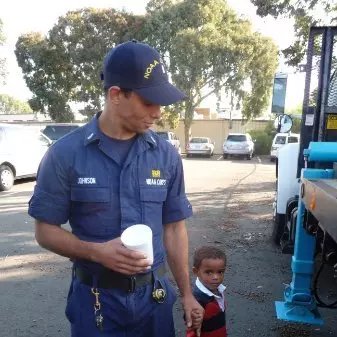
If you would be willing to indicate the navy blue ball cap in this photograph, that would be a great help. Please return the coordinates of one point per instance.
(137, 66)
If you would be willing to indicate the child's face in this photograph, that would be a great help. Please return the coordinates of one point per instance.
(211, 273)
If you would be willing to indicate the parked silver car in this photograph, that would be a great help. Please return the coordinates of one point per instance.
(200, 145)
(21, 151)
(238, 144)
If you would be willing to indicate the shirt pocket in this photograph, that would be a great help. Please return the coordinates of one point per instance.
(90, 212)
(152, 200)
(89, 200)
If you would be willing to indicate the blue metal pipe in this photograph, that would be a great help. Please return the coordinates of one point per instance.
(321, 151)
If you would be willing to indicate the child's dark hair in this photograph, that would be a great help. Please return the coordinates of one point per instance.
(208, 252)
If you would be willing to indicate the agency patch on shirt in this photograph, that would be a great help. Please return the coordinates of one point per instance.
(155, 173)
(156, 182)
(156, 179)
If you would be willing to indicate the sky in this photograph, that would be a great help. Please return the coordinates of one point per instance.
(40, 16)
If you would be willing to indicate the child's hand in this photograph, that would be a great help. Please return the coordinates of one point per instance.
(191, 305)
(197, 317)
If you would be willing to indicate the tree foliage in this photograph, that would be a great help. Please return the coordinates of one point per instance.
(296, 115)
(3, 71)
(205, 47)
(64, 67)
(306, 13)
(11, 105)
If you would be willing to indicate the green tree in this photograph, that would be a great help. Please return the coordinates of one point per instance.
(11, 105)
(170, 116)
(305, 13)
(296, 115)
(209, 50)
(3, 72)
(206, 47)
(269, 128)
(64, 67)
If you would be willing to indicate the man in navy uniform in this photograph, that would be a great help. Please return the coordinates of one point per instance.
(105, 177)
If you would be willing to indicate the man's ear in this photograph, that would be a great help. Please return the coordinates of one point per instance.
(114, 94)
(194, 270)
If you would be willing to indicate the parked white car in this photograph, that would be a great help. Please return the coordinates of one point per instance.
(201, 146)
(21, 151)
(171, 138)
(238, 144)
(280, 140)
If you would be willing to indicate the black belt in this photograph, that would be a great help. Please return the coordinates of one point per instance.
(107, 279)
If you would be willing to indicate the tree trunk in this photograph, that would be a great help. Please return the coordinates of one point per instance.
(187, 129)
(188, 122)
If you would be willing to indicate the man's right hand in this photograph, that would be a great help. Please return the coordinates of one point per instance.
(113, 255)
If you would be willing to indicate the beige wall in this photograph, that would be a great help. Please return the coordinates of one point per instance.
(217, 130)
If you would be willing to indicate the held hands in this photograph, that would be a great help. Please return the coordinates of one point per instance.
(194, 314)
(197, 318)
(113, 255)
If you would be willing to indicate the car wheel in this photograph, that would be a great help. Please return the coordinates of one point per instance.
(6, 178)
(225, 156)
(249, 156)
(272, 159)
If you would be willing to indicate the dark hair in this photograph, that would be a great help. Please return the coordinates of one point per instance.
(208, 252)
(125, 91)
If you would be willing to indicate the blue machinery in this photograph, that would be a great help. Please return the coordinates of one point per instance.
(318, 196)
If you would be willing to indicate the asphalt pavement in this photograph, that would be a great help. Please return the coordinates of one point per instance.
(232, 201)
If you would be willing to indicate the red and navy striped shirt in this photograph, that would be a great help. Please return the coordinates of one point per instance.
(214, 322)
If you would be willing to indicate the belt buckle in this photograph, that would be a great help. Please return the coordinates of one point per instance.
(132, 284)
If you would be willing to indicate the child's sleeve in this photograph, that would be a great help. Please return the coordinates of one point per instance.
(191, 333)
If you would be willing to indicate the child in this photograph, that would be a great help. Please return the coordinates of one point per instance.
(209, 266)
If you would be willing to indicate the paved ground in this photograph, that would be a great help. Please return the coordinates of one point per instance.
(232, 202)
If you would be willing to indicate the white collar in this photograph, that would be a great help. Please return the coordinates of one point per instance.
(221, 289)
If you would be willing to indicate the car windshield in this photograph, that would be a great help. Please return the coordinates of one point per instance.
(55, 132)
(163, 135)
(280, 140)
(236, 138)
(198, 140)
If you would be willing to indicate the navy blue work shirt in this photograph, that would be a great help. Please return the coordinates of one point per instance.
(81, 180)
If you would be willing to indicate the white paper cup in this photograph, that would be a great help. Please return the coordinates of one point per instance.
(139, 238)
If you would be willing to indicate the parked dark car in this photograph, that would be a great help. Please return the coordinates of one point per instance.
(55, 131)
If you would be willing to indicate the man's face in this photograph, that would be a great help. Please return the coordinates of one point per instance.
(136, 114)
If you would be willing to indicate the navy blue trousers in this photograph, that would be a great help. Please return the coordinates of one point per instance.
(124, 315)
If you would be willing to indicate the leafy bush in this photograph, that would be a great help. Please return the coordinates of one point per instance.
(263, 141)
(296, 125)
(269, 129)
(264, 138)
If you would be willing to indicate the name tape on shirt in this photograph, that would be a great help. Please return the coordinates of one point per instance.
(86, 181)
